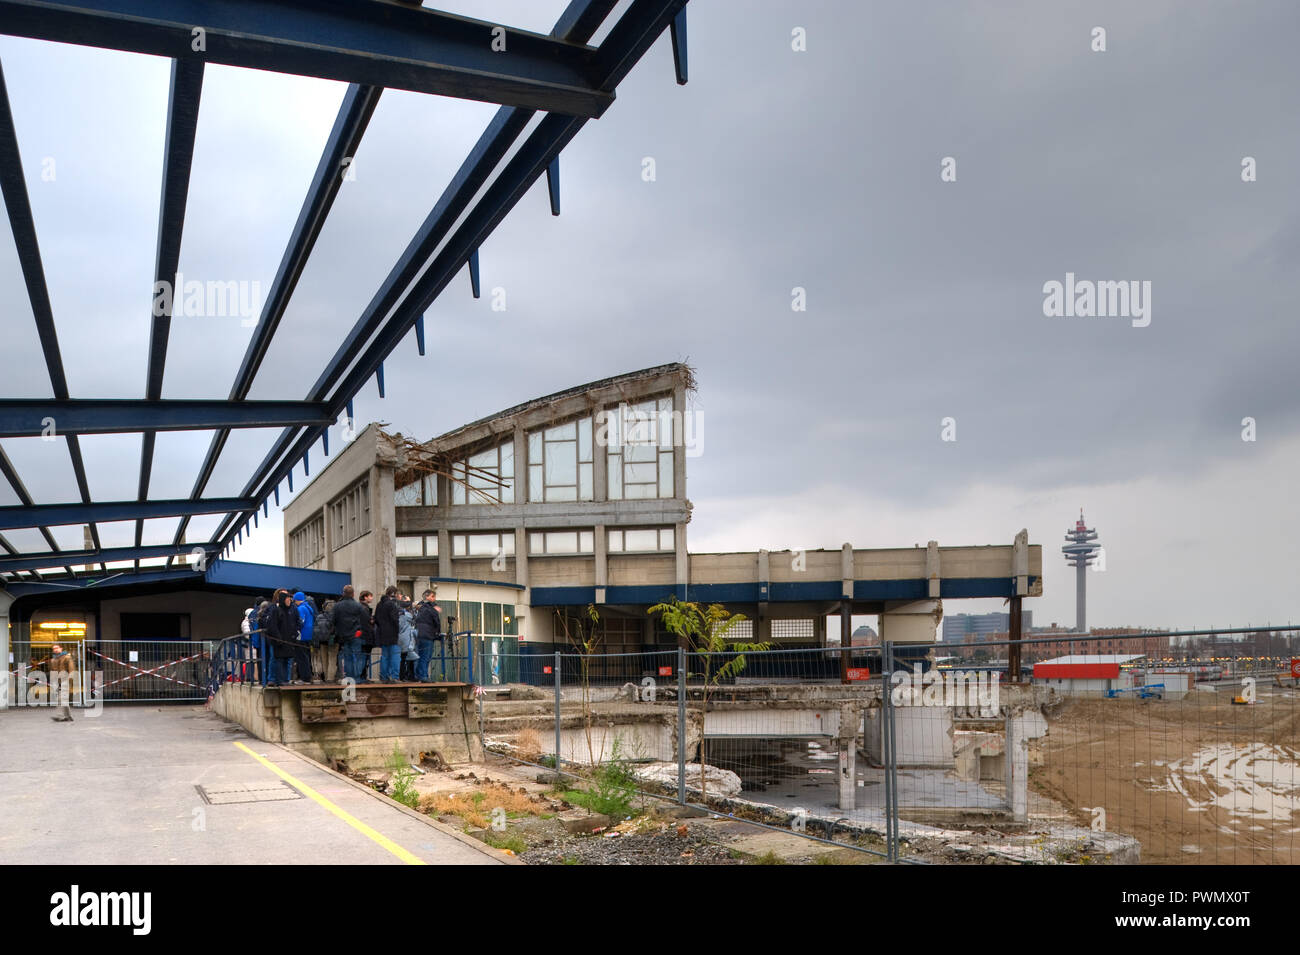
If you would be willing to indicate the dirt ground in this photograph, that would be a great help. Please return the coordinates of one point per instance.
(1196, 781)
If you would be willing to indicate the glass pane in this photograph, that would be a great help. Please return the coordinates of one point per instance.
(535, 482)
(485, 459)
(410, 546)
(640, 473)
(508, 459)
(666, 474)
(471, 616)
(431, 545)
(615, 474)
(408, 496)
(666, 538)
(458, 494)
(584, 439)
(642, 540)
(508, 543)
(561, 542)
(536, 543)
(640, 452)
(561, 463)
(507, 493)
(586, 542)
(639, 491)
(615, 542)
(584, 482)
(569, 493)
(430, 483)
(457, 545)
(491, 618)
(535, 447)
(511, 624)
(563, 432)
(484, 545)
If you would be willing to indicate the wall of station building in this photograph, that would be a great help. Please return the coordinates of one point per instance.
(182, 615)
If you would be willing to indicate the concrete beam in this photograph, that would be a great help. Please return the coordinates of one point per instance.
(933, 573)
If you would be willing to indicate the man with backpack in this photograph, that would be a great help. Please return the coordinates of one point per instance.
(324, 659)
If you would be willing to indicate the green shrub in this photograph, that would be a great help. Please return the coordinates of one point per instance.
(401, 784)
(612, 788)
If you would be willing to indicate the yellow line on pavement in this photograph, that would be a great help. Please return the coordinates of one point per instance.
(353, 821)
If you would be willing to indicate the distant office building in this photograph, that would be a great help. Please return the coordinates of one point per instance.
(958, 627)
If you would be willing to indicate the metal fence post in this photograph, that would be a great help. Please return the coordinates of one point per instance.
(681, 726)
(888, 751)
(557, 717)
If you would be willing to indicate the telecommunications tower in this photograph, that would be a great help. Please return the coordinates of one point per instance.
(1080, 551)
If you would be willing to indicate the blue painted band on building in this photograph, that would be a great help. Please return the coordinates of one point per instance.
(781, 591)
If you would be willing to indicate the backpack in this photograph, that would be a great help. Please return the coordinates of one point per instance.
(324, 632)
(264, 615)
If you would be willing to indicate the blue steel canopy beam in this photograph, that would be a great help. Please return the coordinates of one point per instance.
(19, 208)
(51, 515)
(33, 561)
(11, 475)
(178, 159)
(345, 138)
(22, 417)
(376, 43)
(577, 24)
(635, 31)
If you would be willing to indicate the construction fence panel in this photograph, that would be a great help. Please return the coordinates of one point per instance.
(1109, 749)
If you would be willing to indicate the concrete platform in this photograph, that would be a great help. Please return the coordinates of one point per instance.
(124, 788)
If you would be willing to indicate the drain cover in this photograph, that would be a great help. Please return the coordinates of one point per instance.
(228, 795)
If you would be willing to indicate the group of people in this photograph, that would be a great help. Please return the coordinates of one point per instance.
(288, 632)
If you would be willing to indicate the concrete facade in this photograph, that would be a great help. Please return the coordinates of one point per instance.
(473, 513)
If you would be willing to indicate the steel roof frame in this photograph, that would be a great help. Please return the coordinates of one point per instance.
(374, 44)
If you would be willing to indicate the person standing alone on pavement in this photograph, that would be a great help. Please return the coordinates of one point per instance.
(61, 670)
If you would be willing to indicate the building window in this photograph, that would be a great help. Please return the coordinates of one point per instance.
(483, 545)
(423, 492)
(547, 543)
(467, 614)
(350, 514)
(307, 543)
(642, 540)
(417, 545)
(639, 441)
(490, 476)
(560, 463)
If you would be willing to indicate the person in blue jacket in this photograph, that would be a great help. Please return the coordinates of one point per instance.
(302, 651)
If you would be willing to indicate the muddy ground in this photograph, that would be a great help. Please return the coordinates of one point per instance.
(1199, 780)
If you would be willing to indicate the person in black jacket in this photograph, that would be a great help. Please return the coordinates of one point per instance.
(367, 633)
(386, 627)
(428, 628)
(282, 627)
(351, 622)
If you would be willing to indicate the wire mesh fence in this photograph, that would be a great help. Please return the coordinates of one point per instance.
(1145, 750)
(114, 671)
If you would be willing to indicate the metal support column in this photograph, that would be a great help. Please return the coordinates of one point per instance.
(846, 638)
(681, 727)
(557, 717)
(1013, 649)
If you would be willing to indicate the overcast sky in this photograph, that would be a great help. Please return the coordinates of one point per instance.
(775, 168)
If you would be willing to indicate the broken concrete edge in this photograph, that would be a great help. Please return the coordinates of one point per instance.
(495, 854)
